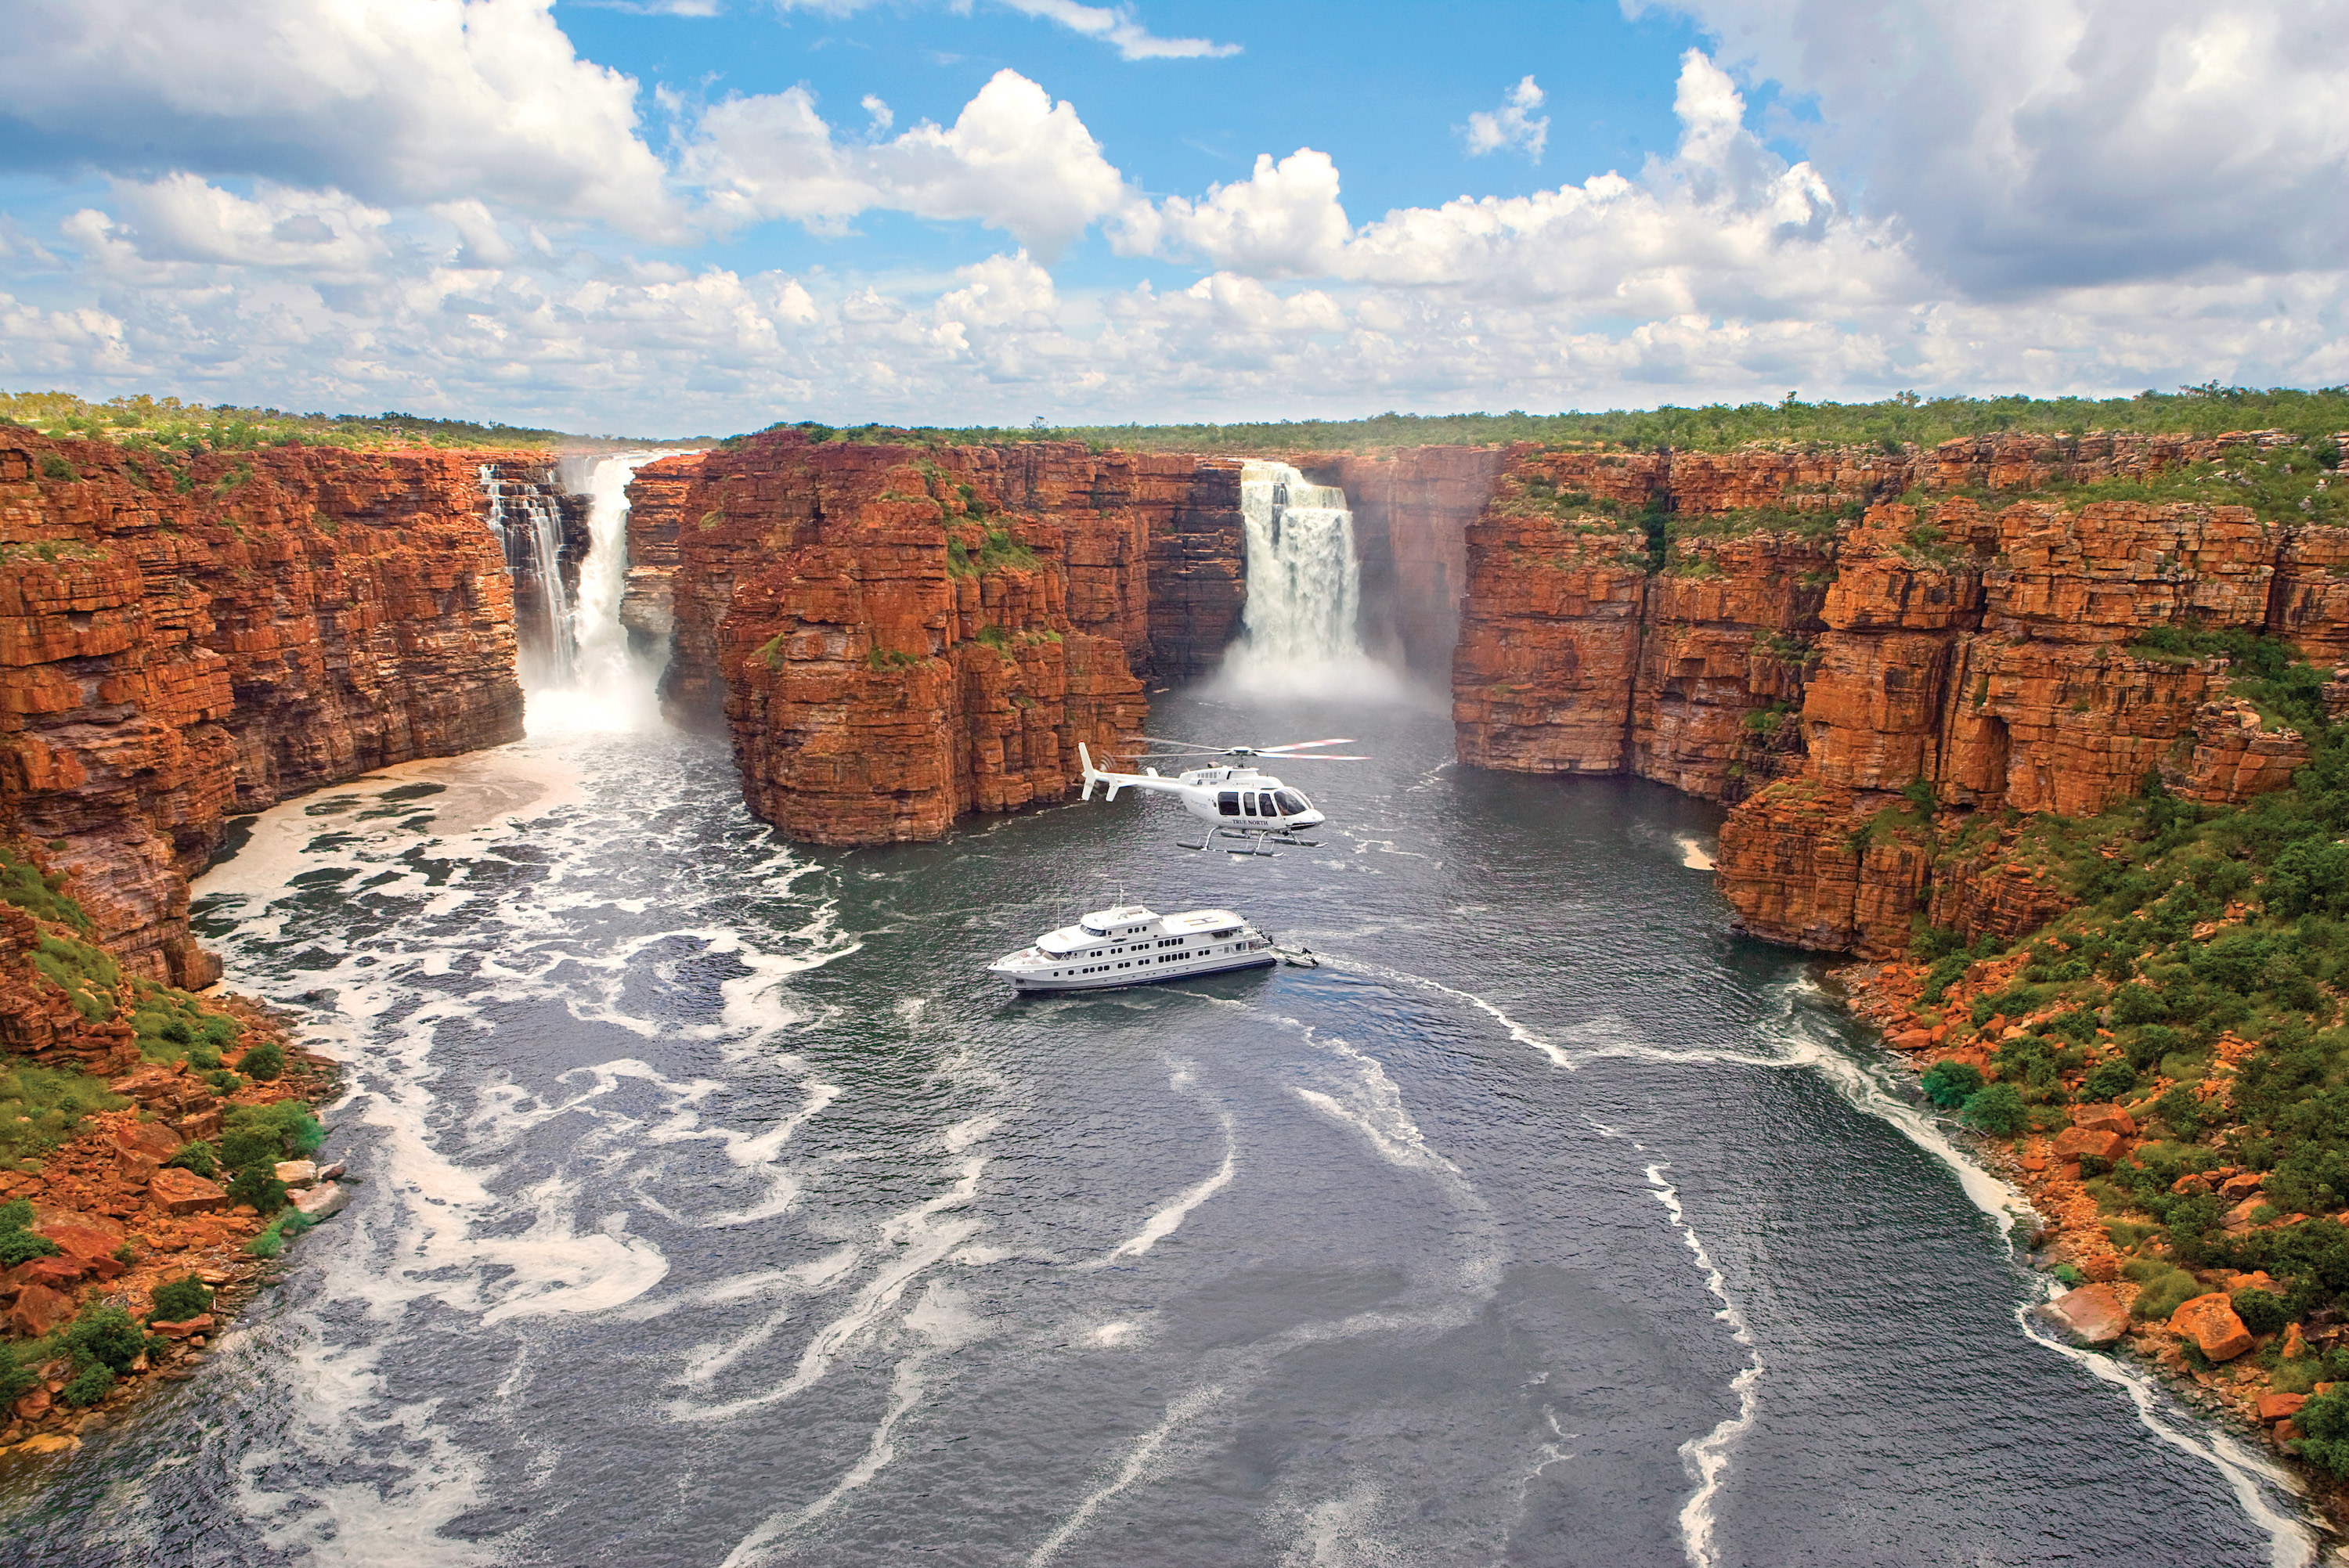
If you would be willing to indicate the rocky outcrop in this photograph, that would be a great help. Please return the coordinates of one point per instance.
(1577, 655)
(183, 639)
(897, 635)
(656, 494)
(1867, 668)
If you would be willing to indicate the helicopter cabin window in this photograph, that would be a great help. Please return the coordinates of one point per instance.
(1264, 806)
(1229, 802)
(1248, 805)
(1291, 803)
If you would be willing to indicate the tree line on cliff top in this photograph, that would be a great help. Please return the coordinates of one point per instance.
(1891, 424)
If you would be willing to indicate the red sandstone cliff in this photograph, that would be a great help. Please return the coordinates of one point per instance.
(896, 634)
(1876, 685)
(183, 639)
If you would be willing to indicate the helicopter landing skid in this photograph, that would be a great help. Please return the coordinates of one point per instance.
(1249, 843)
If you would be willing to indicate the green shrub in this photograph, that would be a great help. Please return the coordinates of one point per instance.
(1949, 1084)
(199, 1157)
(1998, 1109)
(2164, 1293)
(15, 1378)
(176, 1301)
(2135, 1003)
(89, 1386)
(2067, 1277)
(261, 1135)
(2182, 1110)
(2324, 1423)
(17, 1245)
(287, 1227)
(105, 1336)
(258, 1186)
(264, 1063)
(2110, 1082)
(2260, 1313)
(2147, 1045)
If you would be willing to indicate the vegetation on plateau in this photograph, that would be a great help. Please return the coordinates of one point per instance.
(166, 423)
(1893, 423)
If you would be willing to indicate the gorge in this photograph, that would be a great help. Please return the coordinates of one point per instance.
(619, 1055)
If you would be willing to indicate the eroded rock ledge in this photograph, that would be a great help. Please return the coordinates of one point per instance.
(183, 639)
(1939, 656)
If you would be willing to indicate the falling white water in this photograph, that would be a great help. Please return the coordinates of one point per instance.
(529, 526)
(1304, 589)
(607, 685)
(1303, 581)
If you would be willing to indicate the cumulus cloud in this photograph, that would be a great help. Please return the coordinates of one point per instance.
(1723, 226)
(1013, 160)
(393, 100)
(2031, 143)
(1283, 221)
(1511, 126)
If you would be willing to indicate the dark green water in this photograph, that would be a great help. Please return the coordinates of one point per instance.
(719, 1210)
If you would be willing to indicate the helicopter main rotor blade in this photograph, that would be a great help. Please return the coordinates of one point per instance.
(1319, 756)
(1303, 745)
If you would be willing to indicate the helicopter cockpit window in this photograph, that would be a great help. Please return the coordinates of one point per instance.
(1229, 802)
(1291, 803)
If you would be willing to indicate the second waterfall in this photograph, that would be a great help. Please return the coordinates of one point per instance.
(1304, 584)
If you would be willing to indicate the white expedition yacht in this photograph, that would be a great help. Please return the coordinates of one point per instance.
(1132, 945)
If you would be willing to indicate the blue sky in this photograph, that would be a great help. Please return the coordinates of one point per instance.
(618, 217)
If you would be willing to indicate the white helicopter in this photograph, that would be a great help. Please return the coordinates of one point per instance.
(1238, 801)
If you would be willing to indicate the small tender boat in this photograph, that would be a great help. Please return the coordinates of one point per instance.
(1132, 945)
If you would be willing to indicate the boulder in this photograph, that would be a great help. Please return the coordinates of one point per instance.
(33, 1406)
(39, 1311)
(177, 1192)
(2281, 1406)
(1911, 1040)
(2191, 1187)
(2295, 1346)
(2239, 1218)
(2235, 1189)
(2105, 1119)
(57, 1274)
(326, 1199)
(298, 1173)
(2080, 1142)
(81, 1241)
(2093, 1312)
(2210, 1322)
(200, 1324)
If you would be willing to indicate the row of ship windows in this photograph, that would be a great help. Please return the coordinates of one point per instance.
(1163, 958)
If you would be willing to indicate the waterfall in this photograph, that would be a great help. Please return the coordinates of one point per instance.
(1304, 587)
(606, 686)
(528, 521)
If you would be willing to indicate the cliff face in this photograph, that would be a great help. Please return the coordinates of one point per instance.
(1412, 511)
(898, 634)
(1874, 690)
(1576, 655)
(656, 511)
(183, 640)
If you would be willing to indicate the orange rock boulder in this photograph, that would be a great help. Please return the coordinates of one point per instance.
(2210, 1322)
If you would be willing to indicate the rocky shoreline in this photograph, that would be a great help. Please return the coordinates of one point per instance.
(126, 1225)
(2201, 1347)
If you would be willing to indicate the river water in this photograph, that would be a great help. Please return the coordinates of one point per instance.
(718, 1210)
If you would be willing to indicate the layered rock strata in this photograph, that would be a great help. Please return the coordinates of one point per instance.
(1865, 686)
(895, 635)
(656, 511)
(183, 639)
